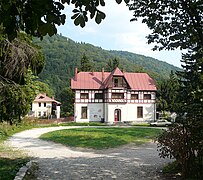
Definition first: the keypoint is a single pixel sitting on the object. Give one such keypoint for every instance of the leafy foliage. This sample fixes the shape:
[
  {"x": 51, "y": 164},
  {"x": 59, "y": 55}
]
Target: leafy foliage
[
  {"x": 18, "y": 61},
  {"x": 112, "y": 64},
  {"x": 85, "y": 64},
  {"x": 167, "y": 94},
  {"x": 39, "y": 18},
  {"x": 179, "y": 24},
  {"x": 66, "y": 97},
  {"x": 175, "y": 24}
]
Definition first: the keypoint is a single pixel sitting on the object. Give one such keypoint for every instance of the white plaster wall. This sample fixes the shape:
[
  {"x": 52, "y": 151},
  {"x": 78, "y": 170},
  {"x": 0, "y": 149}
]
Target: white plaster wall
[
  {"x": 129, "y": 112},
  {"x": 36, "y": 108},
  {"x": 110, "y": 109},
  {"x": 58, "y": 111},
  {"x": 94, "y": 112},
  {"x": 148, "y": 112}
]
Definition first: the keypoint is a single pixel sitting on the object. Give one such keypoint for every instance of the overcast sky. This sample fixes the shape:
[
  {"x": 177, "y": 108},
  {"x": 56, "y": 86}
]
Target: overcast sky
[{"x": 116, "y": 32}]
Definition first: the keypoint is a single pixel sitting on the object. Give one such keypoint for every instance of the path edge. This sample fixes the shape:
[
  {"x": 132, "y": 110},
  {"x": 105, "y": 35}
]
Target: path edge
[{"x": 23, "y": 171}]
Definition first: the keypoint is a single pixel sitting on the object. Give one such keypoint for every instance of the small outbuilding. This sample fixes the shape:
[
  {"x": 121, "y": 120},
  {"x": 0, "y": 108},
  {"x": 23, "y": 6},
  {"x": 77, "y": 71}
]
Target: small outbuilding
[{"x": 45, "y": 107}]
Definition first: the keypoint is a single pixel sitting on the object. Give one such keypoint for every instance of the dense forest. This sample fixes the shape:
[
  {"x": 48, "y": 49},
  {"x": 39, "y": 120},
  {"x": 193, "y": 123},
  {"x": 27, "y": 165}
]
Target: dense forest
[{"x": 63, "y": 55}]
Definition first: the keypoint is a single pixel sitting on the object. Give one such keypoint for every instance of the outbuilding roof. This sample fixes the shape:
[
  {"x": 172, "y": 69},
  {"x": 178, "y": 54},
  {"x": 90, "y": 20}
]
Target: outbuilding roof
[
  {"x": 100, "y": 80},
  {"x": 45, "y": 98}
]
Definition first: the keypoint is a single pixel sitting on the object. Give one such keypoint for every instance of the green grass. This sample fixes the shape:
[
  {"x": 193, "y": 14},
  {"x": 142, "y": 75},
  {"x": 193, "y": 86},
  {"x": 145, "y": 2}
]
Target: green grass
[
  {"x": 10, "y": 162},
  {"x": 101, "y": 138}
]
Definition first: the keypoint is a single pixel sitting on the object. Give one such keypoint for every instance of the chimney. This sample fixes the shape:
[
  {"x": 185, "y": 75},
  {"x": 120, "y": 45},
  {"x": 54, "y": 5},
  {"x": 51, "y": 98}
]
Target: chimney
[
  {"x": 76, "y": 72},
  {"x": 102, "y": 75}
]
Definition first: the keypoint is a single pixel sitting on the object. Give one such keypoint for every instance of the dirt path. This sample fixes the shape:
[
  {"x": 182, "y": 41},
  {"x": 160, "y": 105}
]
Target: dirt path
[{"x": 62, "y": 163}]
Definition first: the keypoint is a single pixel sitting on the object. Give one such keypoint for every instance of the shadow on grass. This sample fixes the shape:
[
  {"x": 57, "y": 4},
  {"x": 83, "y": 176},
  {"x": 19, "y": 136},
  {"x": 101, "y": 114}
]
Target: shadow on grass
[{"x": 9, "y": 167}]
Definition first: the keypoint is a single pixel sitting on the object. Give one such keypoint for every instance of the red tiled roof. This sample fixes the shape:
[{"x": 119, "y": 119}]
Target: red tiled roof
[
  {"x": 44, "y": 98},
  {"x": 93, "y": 80}
]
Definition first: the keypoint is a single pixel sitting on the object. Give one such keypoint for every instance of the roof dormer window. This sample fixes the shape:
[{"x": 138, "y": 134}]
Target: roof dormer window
[{"x": 115, "y": 82}]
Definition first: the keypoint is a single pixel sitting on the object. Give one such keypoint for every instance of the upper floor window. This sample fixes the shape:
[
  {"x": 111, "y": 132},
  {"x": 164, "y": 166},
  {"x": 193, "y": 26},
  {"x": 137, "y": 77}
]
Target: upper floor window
[
  {"x": 45, "y": 104},
  {"x": 98, "y": 95},
  {"x": 115, "y": 82},
  {"x": 39, "y": 104},
  {"x": 147, "y": 96},
  {"x": 117, "y": 95},
  {"x": 134, "y": 96},
  {"x": 84, "y": 96}
]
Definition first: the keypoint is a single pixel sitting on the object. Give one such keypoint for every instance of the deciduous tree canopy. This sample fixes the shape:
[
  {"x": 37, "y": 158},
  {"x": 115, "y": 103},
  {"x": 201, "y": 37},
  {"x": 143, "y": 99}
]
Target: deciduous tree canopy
[{"x": 38, "y": 18}]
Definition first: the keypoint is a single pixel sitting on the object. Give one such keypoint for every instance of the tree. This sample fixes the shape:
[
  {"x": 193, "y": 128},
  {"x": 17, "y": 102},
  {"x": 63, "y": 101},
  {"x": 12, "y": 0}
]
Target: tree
[
  {"x": 19, "y": 59},
  {"x": 15, "y": 100},
  {"x": 112, "y": 64},
  {"x": 85, "y": 64},
  {"x": 66, "y": 97},
  {"x": 41, "y": 87},
  {"x": 167, "y": 94},
  {"x": 174, "y": 24},
  {"x": 178, "y": 24},
  {"x": 39, "y": 18}
]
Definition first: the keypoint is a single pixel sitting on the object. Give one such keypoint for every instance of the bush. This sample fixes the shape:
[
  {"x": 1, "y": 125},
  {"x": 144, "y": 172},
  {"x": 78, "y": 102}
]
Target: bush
[{"x": 181, "y": 142}]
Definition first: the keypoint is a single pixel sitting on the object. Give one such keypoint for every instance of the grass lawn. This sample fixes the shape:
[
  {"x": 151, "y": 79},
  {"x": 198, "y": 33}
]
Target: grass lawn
[
  {"x": 101, "y": 138},
  {"x": 10, "y": 162}
]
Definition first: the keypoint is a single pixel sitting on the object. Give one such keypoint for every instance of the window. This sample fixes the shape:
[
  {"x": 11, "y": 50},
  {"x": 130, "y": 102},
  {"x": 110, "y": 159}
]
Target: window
[
  {"x": 147, "y": 96},
  {"x": 134, "y": 96},
  {"x": 98, "y": 95},
  {"x": 117, "y": 95},
  {"x": 140, "y": 112},
  {"x": 84, "y": 113},
  {"x": 39, "y": 113},
  {"x": 84, "y": 96},
  {"x": 39, "y": 104},
  {"x": 115, "y": 82},
  {"x": 44, "y": 113},
  {"x": 45, "y": 104}
]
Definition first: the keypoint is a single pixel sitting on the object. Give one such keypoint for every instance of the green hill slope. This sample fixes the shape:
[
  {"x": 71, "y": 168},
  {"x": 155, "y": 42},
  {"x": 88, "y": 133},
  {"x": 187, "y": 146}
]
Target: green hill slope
[{"x": 63, "y": 55}]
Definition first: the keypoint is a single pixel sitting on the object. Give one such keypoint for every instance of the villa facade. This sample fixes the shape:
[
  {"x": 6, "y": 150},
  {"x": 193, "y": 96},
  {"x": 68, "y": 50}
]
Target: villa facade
[{"x": 113, "y": 97}]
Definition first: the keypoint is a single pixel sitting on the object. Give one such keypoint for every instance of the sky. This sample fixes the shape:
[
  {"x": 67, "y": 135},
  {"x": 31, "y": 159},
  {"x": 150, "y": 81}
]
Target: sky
[{"x": 116, "y": 32}]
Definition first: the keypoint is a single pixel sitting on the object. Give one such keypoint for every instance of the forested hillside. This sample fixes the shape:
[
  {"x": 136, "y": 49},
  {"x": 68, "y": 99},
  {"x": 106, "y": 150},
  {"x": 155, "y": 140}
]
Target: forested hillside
[{"x": 63, "y": 55}]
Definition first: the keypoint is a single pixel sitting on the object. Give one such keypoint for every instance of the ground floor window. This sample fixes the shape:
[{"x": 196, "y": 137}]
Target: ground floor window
[
  {"x": 44, "y": 113},
  {"x": 139, "y": 112},
  {"x": 83, "y": 112},
  {"x": 39, "y": 113}
]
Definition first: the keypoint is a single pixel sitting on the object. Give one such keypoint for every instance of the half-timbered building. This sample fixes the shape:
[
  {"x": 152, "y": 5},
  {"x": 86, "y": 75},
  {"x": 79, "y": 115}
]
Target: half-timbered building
[{"x": 113, "y": 96}]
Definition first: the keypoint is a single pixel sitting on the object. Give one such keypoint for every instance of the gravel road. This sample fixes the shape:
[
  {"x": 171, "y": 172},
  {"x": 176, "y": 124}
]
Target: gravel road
[{"x": 57, "y": 162}]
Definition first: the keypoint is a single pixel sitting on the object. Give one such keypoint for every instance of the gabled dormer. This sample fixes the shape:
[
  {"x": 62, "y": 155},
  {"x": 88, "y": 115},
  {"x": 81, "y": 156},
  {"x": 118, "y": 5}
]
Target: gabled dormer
[{"x": 117, "y": 80}]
